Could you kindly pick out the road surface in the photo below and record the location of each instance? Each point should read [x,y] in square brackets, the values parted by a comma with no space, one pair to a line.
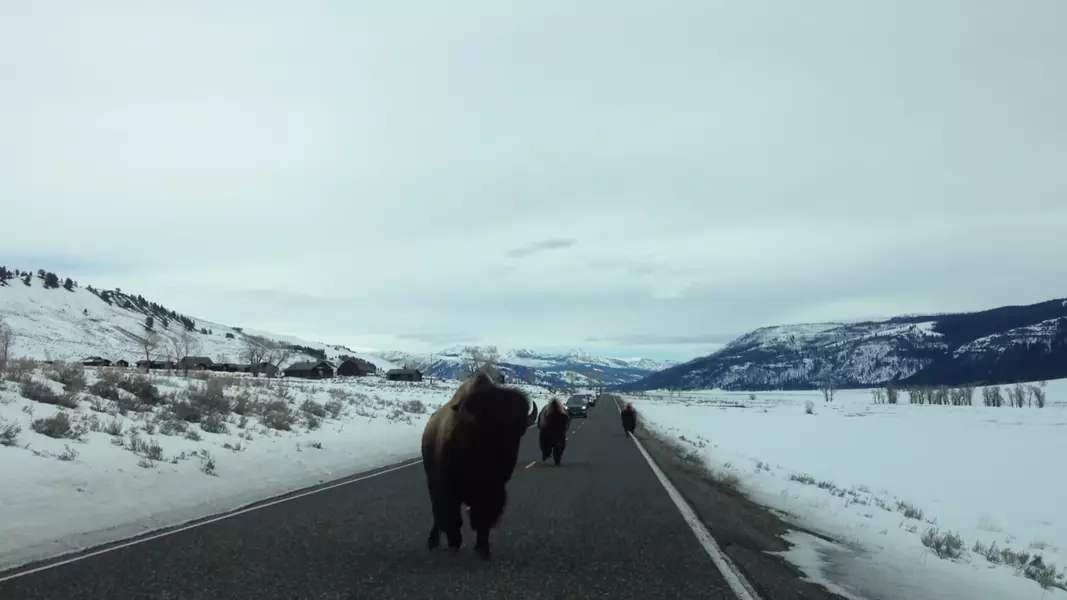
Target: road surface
[600,526]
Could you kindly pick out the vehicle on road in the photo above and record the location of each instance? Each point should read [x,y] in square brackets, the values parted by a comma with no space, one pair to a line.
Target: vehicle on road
[592,400]
[577,407]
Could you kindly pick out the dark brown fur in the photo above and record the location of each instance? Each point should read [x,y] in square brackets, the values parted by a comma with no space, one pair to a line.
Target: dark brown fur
[553,424]
[469,449]
[629,418]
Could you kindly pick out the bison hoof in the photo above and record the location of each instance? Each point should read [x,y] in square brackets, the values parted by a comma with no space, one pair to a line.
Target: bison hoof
[433,541]
[482,552]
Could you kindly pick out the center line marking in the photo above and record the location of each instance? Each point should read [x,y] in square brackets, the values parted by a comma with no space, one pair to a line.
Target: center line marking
[532,463]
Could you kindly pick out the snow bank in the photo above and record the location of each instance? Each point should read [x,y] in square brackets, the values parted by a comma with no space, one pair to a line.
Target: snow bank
[60,495]
[876,477]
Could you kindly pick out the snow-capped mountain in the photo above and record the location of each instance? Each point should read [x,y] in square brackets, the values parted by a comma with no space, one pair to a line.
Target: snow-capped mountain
[1001,345]
[534,367]
[53,318]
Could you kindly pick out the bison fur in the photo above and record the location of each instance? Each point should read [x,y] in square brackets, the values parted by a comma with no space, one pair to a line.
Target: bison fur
[629,418]
[469,449]
[553,424]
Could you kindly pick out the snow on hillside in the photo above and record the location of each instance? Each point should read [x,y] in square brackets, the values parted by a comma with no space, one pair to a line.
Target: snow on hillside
[60,324]
[1000,345]
[136,452]
[579,366]
[877,478]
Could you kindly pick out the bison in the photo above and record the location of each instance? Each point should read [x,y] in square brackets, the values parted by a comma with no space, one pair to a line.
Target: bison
[553,424]
[469,449]
[629,418]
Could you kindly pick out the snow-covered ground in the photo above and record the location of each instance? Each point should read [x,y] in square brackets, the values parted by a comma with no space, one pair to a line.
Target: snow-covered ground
[130,465]
[877,477]
[61,324]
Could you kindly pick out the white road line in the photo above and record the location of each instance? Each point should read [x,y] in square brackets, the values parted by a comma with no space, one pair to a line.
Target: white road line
[206,521]
[737,582]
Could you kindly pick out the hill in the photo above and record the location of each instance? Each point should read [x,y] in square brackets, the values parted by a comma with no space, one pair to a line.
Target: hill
[56,318]
[1001,345]
[534,367]
[53,318]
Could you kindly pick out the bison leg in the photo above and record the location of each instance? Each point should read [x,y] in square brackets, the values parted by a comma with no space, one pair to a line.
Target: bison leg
[546,449]
[484,516]
[557,452]
[448,518]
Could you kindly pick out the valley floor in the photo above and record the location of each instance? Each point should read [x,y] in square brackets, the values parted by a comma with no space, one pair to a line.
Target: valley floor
[894,486]
[136,453]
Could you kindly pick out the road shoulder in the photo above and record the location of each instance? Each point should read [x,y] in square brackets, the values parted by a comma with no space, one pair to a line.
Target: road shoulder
[744,530]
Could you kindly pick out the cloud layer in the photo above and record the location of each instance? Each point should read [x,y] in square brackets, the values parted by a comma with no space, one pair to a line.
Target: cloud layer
[614,174]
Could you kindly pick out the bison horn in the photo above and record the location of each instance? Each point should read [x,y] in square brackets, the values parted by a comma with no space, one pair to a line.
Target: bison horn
[533,411]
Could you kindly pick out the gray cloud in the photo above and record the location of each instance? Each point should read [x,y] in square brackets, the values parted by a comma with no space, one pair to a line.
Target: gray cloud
[367,177]
[541,246]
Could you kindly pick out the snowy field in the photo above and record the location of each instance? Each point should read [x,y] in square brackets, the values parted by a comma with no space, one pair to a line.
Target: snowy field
[132,453]
[882,478]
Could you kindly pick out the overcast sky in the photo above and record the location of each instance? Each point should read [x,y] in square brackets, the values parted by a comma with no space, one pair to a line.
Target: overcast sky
[634,178]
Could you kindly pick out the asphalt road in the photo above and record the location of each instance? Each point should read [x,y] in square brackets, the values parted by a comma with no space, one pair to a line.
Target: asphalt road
[599,526]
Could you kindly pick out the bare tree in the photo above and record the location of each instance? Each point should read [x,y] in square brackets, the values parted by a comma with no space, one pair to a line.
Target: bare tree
[827,389]
[892,394]
[148,343]
[473,354]
[182,345]
[1037,395]
[255,350]
[259,350]
[490,355]
[6,340]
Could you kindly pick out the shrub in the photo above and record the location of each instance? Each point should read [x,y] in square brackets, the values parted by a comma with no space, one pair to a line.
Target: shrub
[414,406]
[9,433]
[335,408]
[19,369]
[57,426]
[276,414]
[109,376]
[114,427]
[313,408]
[71,375]
[186,411]
[211,398]
[945,545]
[143,388]
[39,392]
[214,424]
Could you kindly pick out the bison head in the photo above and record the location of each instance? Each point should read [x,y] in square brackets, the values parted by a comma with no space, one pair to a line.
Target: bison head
[495,418]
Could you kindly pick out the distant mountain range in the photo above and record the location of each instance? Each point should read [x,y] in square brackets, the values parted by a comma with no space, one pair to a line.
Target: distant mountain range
[534,367]
[1001,345]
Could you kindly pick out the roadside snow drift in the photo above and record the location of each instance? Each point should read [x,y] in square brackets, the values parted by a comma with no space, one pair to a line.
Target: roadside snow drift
[898,485]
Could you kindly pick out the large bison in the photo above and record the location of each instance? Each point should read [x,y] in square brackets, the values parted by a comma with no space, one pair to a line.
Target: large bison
[629,418]
[553,424]
[469,450]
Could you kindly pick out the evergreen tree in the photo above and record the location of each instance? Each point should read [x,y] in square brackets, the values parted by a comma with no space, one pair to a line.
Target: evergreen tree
[68,284]
[149,322]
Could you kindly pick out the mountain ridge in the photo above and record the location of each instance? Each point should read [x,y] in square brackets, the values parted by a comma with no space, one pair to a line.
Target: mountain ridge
[1000,345]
